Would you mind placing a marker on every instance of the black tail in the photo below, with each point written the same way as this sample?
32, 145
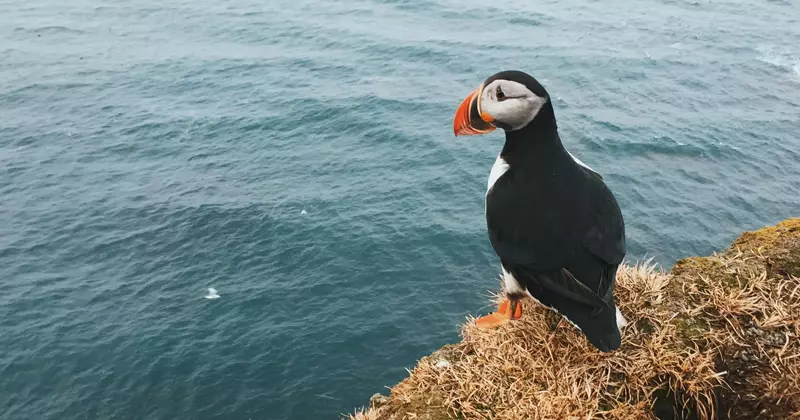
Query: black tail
595, 316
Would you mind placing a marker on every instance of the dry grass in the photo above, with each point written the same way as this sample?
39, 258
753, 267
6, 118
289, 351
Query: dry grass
367, 414
717, 337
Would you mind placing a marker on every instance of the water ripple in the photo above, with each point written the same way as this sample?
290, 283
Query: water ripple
300, 159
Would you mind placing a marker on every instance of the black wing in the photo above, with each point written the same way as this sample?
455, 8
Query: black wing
567, 231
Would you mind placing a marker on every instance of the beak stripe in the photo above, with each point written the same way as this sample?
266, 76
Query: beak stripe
469, 120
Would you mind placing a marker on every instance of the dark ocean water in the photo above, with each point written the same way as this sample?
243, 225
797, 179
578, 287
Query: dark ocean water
298, 156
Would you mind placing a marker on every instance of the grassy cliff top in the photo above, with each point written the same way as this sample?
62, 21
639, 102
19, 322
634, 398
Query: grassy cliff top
715, 337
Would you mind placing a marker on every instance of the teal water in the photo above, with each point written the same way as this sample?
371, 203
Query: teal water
298, 156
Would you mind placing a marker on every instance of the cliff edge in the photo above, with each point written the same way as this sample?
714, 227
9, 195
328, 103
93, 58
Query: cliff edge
715, 337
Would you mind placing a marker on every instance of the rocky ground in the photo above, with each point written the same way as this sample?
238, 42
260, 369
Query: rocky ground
715, 337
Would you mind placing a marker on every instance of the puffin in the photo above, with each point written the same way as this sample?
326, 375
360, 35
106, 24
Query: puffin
552, 220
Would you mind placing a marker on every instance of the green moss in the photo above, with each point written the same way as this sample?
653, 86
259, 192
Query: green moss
689, 329
428, 406
712, 268
645, 325
779, 244
423, 411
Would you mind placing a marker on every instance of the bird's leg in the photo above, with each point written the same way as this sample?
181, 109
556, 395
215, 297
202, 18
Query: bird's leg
509, 309
516, 307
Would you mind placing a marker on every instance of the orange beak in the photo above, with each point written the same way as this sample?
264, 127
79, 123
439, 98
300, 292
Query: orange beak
469, 119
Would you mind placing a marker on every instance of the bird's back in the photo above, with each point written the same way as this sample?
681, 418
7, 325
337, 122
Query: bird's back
558, 229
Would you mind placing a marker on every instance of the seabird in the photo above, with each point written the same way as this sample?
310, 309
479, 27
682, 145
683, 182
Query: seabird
212, 293
551, 219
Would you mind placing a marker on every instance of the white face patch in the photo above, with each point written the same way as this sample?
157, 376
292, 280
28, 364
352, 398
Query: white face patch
516, 107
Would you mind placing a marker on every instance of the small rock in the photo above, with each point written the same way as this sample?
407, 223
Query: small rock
776, 339
377, 400
442, 364
755, 331
749, 356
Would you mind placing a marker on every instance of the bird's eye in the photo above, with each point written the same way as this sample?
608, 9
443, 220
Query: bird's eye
500, 95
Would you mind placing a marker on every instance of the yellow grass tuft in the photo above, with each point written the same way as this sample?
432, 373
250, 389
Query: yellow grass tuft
716, 337
368, 414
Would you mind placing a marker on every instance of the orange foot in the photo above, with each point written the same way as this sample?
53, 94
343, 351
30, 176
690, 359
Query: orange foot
503, 315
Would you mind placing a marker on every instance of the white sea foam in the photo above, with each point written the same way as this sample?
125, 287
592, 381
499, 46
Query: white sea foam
782, 58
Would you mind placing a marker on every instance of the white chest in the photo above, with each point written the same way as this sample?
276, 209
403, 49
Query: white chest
498, 169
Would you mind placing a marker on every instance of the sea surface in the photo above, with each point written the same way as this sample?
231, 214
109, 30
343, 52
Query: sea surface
298, 156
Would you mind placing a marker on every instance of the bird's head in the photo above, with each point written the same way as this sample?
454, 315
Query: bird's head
509, 100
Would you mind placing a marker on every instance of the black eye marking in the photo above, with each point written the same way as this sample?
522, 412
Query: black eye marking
500, 95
